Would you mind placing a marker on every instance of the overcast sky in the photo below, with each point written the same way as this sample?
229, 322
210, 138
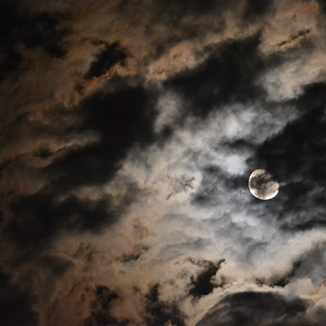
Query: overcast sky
128, 132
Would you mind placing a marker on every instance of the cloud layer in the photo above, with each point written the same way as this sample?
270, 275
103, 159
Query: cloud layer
129, 131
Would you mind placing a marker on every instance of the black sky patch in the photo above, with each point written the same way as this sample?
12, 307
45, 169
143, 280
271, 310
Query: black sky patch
228, 76
254, 308
15, 305
160, 313
297, 158
105, 59
202, 284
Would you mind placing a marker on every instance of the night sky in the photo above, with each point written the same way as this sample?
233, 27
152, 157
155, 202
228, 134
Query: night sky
128, 132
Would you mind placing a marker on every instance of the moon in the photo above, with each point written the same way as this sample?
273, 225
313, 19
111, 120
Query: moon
262, 185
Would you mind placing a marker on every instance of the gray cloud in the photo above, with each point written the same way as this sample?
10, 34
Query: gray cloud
249, 308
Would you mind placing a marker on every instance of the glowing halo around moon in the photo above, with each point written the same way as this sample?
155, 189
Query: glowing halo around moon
262, 185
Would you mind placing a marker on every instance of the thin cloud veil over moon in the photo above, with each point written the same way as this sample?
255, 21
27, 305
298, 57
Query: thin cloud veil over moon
128, 132
262, 185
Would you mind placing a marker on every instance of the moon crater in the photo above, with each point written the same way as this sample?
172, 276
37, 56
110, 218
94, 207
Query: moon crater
262, 185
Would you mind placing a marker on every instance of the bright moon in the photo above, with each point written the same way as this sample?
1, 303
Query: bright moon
262, 185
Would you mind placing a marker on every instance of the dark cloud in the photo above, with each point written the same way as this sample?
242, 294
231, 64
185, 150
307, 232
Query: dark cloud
208, 194
256, 8
15, 304
196, 7
174, 11
105, 59
58, 266
286, 279
133, 257
202, 284
38, 218
43, 153
254, 308
297, 159
229, 76
178, 9
295, 37
80, 150
283, 280
311, 265
122, 119
161, 15
8, 21
41, 30
159, 312
101, 306
322, 5
10, 58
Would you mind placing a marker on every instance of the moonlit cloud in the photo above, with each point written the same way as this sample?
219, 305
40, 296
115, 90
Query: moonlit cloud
129, 131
